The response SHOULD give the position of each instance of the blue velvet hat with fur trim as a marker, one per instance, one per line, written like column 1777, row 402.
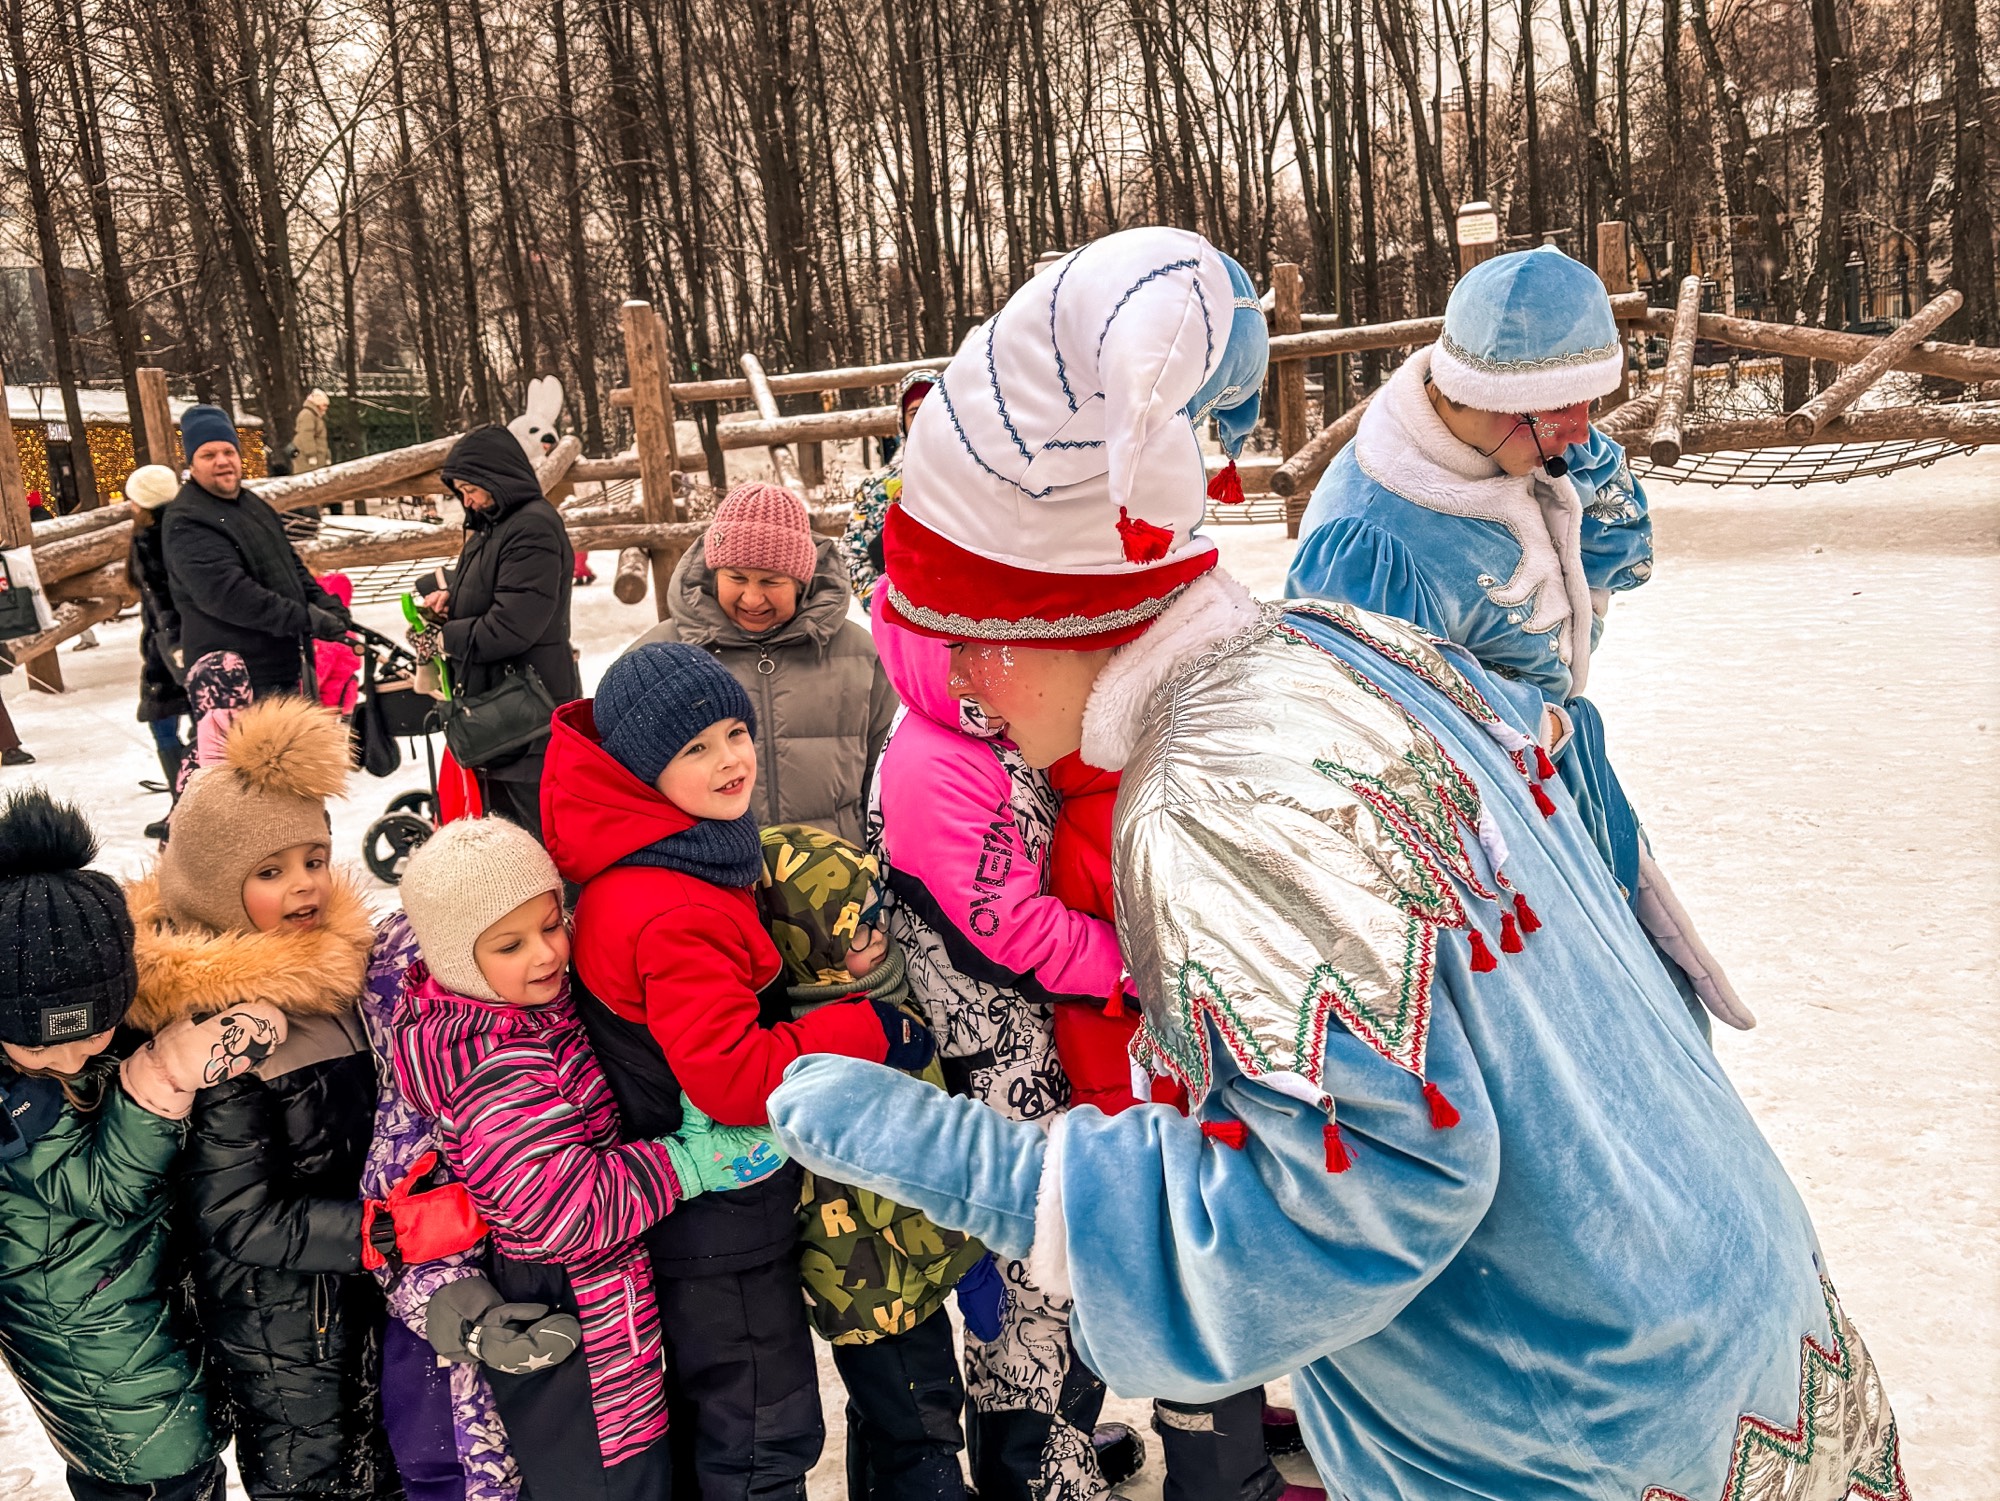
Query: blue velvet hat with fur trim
column 1527, row 332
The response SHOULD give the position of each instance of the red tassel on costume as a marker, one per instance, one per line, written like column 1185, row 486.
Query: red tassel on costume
column 1542, row 801
column 1115, row 1007
column 1338, row 1159
column 1544, row 767
column 1529, row 922
column 1444, row 1114
column 1510, row 934
column 1227, row 486
column 1230, row 1133
column 1144, row 542
column 1482, row 956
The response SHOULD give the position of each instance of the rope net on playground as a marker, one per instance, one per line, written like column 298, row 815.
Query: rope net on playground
column 1753, row 388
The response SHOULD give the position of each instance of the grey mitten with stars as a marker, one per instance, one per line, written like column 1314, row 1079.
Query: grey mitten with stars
column 467, row 1321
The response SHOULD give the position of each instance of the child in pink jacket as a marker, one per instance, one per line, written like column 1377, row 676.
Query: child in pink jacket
column 962, row 824
column 487, row 1044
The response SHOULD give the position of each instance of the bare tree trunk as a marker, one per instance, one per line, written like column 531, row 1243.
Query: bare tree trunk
column 416, row 237
column 28, row 121
column 585, row 332
column 119, row 311
column 510, row 204
column 468, row 284
column 1364, row 175
column 1978, row 321
column 1538, row 217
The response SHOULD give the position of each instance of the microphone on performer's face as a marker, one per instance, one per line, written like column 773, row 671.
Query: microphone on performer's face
column 1555, row 466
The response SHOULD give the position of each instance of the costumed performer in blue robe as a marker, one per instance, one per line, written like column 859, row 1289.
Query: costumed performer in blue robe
column 1477, row 501
column 1458, row 1158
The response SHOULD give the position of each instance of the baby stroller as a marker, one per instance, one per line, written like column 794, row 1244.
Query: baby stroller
column 387, row 709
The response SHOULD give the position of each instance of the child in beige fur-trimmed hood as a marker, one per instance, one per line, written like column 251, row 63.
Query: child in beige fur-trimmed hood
column 244, row 904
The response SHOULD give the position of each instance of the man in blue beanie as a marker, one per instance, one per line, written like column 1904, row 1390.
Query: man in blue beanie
column 232, row 570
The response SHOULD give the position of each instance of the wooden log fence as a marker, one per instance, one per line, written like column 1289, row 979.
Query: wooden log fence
column 1677, row 381
column 783, row 463
column 1858, row 377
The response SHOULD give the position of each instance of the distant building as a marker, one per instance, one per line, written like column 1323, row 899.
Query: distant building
column 42, row 435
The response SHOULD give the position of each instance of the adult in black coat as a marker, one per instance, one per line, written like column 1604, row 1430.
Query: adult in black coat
column 508, row 604
column 232, row 571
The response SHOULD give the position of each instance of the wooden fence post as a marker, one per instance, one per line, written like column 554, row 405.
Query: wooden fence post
column 783, row 464
column 1677, row 381
column 1614, row 269
column 156, row 418
column 653, row 427
column 1289, row 377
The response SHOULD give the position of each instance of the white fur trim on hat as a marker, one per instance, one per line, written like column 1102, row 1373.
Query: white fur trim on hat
column 1525, row 385
column 461, row 881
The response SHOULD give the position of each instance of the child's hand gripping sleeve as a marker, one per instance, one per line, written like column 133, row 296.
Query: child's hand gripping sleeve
column 419, row 1221
column 966, row 1166
column 708, row 1158
column 163, row 1075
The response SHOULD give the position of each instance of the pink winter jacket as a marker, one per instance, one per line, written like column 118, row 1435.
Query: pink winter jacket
column 973, row 835
column 526, row 1119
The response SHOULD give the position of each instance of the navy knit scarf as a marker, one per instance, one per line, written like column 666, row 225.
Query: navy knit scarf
column 722, row 853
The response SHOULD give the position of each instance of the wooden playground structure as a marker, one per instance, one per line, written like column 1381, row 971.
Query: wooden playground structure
column 80, row 558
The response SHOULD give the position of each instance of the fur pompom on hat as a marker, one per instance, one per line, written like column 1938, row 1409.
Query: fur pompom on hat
column 284, row 758
column 461, row 881
column 765, row 528
column 66, row 968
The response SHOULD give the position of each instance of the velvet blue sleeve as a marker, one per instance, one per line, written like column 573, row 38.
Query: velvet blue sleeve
column 1359, row 563
column 1617, row 538
column 1199, row 1269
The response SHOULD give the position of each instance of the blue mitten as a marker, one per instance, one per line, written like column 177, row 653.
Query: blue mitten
column 964, row 1165
column 982, row 1299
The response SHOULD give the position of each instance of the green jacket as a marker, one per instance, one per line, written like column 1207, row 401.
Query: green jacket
column 85, row 1322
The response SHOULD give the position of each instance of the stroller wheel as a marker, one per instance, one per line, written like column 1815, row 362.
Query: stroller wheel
column 422, row 802
column 390, row 842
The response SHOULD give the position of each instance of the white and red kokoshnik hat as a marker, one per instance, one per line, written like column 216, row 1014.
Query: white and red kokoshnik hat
column 1053, row 482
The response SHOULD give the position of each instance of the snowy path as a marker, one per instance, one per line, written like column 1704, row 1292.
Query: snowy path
column 1803, row 704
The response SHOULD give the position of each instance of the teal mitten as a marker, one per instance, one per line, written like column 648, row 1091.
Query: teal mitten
column 708, row 1158
column 966, row 1166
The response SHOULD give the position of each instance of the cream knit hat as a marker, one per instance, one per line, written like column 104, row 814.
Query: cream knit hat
column 461, row 881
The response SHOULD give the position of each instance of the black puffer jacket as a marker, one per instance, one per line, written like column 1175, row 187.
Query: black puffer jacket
column 161, row 671
column 268, row 1197
column 510, row 599
column 240, row 587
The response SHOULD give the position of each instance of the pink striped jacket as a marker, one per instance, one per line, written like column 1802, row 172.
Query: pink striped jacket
column 526, row 1119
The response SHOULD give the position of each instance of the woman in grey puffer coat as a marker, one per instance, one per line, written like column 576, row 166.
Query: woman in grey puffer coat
column 770, row 600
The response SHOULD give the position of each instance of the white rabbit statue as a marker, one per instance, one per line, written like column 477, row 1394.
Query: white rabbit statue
column 535, row 428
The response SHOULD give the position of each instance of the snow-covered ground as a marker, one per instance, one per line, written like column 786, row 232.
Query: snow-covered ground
column 1803, row 704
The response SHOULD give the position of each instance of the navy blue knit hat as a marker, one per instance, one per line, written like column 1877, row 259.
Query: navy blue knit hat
column 205, row 424
column 66, row 966
column 658, row 697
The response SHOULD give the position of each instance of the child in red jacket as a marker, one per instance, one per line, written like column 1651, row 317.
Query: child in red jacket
column 1216, row 1449
column 645, row 801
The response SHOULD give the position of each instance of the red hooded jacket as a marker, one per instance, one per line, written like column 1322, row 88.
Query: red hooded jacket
column 668, row 949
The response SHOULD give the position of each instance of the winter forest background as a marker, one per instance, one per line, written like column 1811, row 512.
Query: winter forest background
column 417, row 204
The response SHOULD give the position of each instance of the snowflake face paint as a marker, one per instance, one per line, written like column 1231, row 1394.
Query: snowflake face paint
column 1039, row 693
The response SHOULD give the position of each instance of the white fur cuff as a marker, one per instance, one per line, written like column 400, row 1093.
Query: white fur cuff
column 1525, row 390
column 1048, row 1257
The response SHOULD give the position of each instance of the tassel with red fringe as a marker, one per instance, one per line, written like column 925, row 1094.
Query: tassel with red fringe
column 1510, row 934
column 1231, row 1134
column 1115, row 1006
column 1542, row 801
column 1338, row 1159
column 1544, row 767
column 1529, row 922
column 1444, row 1114
column 1482, row 956
column 1143, row 542
column 1227, row 486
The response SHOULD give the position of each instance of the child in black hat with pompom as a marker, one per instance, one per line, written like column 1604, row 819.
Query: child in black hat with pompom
column 86, row 1140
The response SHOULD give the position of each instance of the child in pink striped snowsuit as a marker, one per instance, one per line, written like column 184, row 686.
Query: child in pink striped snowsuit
column 487, row 1044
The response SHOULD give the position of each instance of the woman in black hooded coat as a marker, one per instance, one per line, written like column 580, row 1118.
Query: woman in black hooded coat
column 507, row 605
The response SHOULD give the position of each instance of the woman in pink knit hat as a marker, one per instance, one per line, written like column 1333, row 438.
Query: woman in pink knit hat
column 770, row 599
